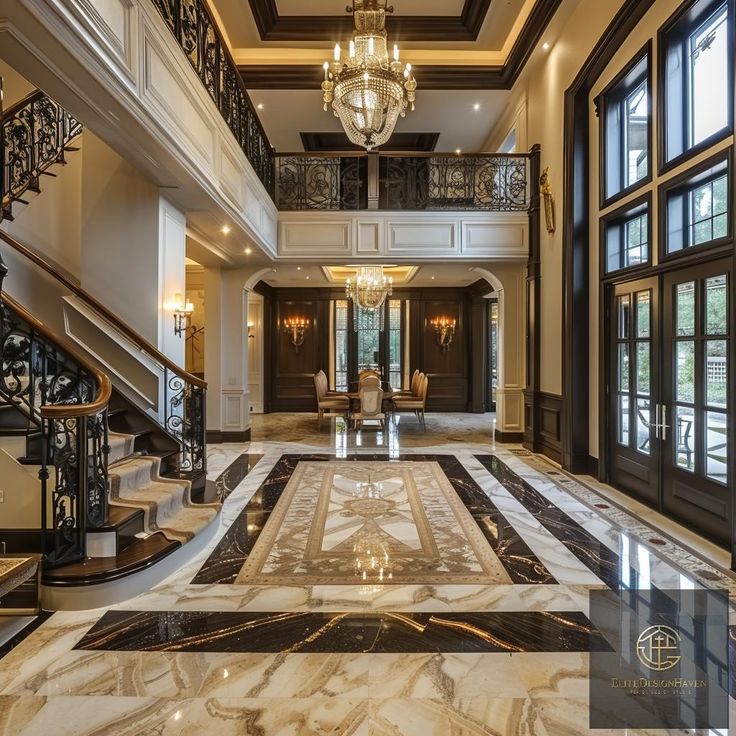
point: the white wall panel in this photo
(323, 237)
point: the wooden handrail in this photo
(103, 311)
(30, 97)
(67, 411)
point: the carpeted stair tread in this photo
(121, 446)
(135, 483)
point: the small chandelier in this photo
(369, 291)
(368, 92)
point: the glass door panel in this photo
(633, 454)
(697, 345)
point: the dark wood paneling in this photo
(274, 27)
(543, 414)
(273, 76)
(447, 369)
(292, 385)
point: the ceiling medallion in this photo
(368, 92)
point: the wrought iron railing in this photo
(184, 404)
(36, 133)
(495, 182)
(199, 37)
(65, 403)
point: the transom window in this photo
(697, 211)
(698, 67)
(627, 239)
(626, 135)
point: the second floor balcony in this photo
(432, 182)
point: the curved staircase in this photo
(106, 484)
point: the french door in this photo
(670, 353)
(634, 447)
(697, 437)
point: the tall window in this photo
(698, 67)
(369, 339)
(627, 238)
(394, 344)
(626, 134)
(697, 209)
(341, 345)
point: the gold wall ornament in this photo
(545, 190)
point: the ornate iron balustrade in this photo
(35, 135)
(321, 183)
(185, 419)
(498, 182)
(199, 37)
(66, 407)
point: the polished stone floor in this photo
(381, 584)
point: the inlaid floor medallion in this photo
(374, 522)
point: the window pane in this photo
(394, 344)
(643, 425)
(623, 366)
(708, 78)
(341, 345)
(716, 427)
(686, 308)
(637, 250)
(685, 371)
(716, 393)
(684, 428)
(636, 106)
(716, 305)
(642, 368)
(624, 306)
(643, 313)
(623, 421)
(369, 326)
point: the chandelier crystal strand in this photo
(368, 91)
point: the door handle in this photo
(664, 426)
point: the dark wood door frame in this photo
(575, 238)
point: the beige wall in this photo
(576, 28)
(195, 346)
(15, 87)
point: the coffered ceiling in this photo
(472, 50)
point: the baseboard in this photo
(216, 437)
(509, 437)
(593, 466)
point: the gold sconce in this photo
(545, 190)
(296, 329)
(444, 330)
(182, 314)
(251, 334)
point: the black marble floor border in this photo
(596, 556)
(379, 633)
(230, 478)
(229, 556)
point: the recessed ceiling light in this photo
(298, 268)
(476, 107)
(545, 46)
(260, 106)
(248, 251)
(458, 151)
(225, 230)
(432, 278)
(307, 278)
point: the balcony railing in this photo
(199, 37)
(496, 182)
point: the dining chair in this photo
(371, 405)
(417, 404)
(327, 402)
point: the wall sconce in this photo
(251, 334)
(182, 314)
(444, 330)
(296, 329)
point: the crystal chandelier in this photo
(368, 91)
(369, 291)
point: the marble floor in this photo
(373, 584)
